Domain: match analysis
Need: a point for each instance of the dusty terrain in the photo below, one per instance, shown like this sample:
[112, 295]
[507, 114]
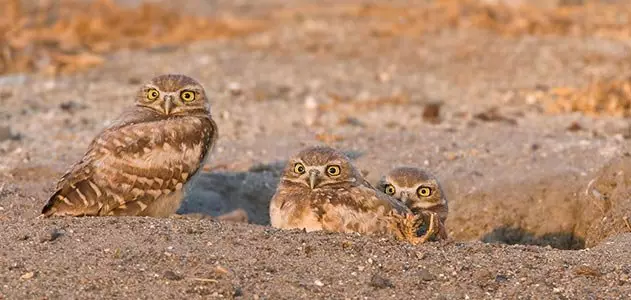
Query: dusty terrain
[539, 189]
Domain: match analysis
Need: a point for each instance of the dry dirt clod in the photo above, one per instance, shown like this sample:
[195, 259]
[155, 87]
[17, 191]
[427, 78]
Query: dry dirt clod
[425, 275]
[380, 282]
[575, 126]
[352, 121]
[71, 106]
[585, 270]
[52, 236]
[170, 275]
[431, 113]
[7, 134]
[493, 115]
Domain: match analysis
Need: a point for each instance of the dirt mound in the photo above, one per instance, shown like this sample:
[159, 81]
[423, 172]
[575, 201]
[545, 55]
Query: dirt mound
[607, 202]
[565, 212]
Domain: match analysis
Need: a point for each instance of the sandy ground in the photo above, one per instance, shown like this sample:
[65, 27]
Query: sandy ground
[538, 206]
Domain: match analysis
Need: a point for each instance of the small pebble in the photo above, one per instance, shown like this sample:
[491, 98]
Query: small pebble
[499, 278]
[318, 283]
[235, 88]
[28, 275]
[237, 292]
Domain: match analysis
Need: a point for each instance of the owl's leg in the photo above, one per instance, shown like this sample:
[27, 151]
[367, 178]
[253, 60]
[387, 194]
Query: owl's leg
[442, 231]
[164, 206]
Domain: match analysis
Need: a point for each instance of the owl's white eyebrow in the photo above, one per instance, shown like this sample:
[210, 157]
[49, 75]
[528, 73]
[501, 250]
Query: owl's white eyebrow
[190, 87]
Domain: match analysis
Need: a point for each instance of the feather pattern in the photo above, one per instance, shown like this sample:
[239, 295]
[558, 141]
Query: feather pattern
[342, 203]
[137, 166]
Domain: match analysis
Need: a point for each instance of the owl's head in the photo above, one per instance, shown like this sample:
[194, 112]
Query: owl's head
[320, 167]
[414, 187]
[173, 94]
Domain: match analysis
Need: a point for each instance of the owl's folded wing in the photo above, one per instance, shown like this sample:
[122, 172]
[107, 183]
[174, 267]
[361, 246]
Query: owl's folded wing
[360, 209]
[396, 205]
[128, 167]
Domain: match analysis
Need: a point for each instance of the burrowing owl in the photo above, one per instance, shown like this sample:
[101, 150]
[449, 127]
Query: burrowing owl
[418, 190]
[141, 164]
[321, 190]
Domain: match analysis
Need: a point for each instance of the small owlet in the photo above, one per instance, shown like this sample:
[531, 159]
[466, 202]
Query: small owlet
[320, 189]
[140, 165]
[418, 190]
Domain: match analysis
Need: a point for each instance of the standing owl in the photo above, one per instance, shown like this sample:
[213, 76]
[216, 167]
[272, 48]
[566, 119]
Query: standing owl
[141, 164]
[320, 189]
[418, 190]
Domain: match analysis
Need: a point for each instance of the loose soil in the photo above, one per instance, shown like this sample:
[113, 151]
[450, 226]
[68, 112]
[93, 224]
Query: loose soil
[528, 131]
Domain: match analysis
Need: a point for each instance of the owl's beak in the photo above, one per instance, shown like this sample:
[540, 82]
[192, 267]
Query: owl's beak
[313, 178]
[404, 198]
[168, 104]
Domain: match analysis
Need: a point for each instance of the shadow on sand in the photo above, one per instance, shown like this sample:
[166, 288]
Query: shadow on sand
[220, 193]
[514, 235]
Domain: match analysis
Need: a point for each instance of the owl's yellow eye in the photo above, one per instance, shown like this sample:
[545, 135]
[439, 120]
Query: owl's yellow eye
[389, 189]
[424, 191]
[153, 94]
[333, 170]
[299, 168]
[187, 96]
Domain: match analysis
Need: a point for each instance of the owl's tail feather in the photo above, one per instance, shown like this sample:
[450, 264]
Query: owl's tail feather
[79, 199]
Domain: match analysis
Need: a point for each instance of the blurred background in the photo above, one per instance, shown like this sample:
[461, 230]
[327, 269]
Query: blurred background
[66, 36]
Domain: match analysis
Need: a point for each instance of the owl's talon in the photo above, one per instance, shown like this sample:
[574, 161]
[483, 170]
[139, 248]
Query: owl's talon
[431, 230]
[432, 227]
